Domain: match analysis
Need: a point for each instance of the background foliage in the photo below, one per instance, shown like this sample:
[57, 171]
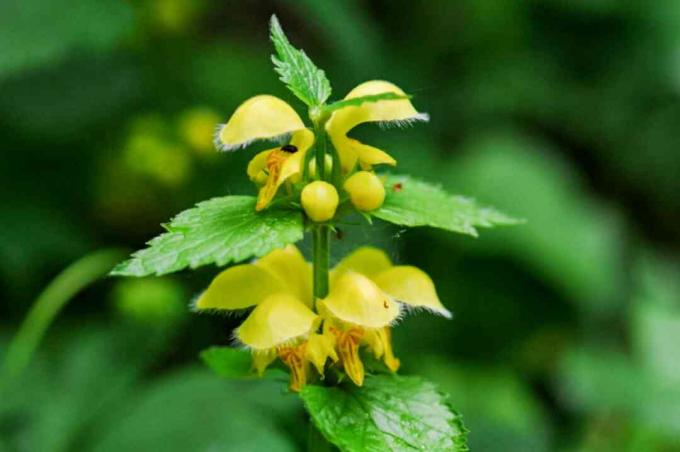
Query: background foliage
[562, 112]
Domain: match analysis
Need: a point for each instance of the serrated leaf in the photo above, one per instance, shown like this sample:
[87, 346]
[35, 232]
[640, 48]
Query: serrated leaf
[228, 362]
[296, 70]
[218, 231]
[410, 202]
[387, 413]
[357, 101]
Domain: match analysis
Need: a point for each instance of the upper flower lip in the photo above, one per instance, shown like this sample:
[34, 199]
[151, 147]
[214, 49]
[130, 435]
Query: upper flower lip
[388, 112]
[263, 117]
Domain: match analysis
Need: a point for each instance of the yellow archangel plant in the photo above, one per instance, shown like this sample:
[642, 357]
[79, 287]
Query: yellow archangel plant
[322, 324]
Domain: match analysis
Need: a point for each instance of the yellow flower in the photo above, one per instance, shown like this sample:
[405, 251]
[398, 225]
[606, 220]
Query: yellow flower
[283, 323]
[366, 297]
[266, 117]
[387, 112]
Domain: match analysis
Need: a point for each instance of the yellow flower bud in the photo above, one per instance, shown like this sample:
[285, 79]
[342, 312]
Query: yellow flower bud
[365, 190]
[328, 166]
[319, 199]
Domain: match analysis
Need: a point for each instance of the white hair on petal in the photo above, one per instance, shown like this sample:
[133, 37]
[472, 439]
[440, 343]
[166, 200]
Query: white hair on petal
[232, 313]
[399, 123]
[223, 147]
[408, 309]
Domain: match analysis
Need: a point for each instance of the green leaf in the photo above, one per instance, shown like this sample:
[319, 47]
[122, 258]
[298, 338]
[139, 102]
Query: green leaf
[296, 70]
[356, 101]
[229, 362]
[411, 202]
[387, 413]
[218, 231]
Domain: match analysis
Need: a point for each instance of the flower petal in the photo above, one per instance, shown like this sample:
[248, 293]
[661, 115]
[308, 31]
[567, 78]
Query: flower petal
[303, 140]
[412, 286]
[239, 287]
[288, 265]
[320, 347]
[282, 166]
[399, 111]
[380, 342]
[355, 299]
[258, 165]
[278, 320]
[351, 151]
[367, 260]
[262, 359]
[348, 350]
[260, 117]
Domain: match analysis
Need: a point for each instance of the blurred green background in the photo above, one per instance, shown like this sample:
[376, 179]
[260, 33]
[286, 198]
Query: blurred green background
[566, 330]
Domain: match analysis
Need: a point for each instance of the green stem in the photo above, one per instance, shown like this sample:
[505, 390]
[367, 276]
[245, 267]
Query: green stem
[320, 232]
[320, 155]
[321, 258]
[53, 298]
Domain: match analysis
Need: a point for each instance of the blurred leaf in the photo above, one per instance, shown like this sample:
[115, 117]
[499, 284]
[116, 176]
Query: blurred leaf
[32, 235]
[150, 301]
[387, 413]
[410, 202]
[570, 238]
[656, 330]
[229, 362]
[63, 100]
[296, 70]
[36, 32]
[359, 53]
[499, 407]
[77, 377]
[597, 379]
[218, 231]
[192, 410]
[73, 279]
[356, 101]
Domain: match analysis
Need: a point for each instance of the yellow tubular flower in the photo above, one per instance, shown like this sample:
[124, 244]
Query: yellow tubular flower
[406, 284]
[267, 117]
[279, 286]
[362, 304]
[275, 166]
[385, 111]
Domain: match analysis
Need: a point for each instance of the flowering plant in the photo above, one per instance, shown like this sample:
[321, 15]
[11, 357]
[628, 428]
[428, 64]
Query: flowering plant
[329, 328]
